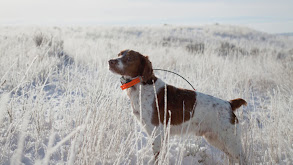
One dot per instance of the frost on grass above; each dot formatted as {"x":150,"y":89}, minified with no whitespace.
{"x":59,"y":104}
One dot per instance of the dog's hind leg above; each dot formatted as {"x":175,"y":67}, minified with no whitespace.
{"x":213,"y":139}
{"x":234,"y":147}
{"x":230,"y":146}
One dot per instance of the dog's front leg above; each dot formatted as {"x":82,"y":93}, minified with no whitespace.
{"x":157,"y":146}
{"x":156,"y":134}
{"x":157,"y":143}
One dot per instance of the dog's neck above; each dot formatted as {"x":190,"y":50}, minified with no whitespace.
{"x":127,"y":79}
{"x":151,"y":80}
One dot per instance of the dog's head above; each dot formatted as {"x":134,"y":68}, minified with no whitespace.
{"x":133,"y":64}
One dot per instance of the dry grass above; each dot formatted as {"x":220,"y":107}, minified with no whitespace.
{"x":54,"y":112}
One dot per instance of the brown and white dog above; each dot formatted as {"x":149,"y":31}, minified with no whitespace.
{"x":187,"y":110}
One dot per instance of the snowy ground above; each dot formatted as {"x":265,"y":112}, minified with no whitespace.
{"x":59,"y":104}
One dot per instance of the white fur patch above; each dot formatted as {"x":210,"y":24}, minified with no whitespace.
{"x":120,"y":64}
{"x":144,"y":113}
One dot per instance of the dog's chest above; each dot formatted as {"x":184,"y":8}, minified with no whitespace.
{"x":142,"y":99}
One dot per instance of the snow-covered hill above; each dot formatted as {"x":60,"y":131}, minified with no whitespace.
{"x":59,"y":104}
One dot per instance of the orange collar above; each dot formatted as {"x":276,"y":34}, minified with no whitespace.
{"x":130,"y":84}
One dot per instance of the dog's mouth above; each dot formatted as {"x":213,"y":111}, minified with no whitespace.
{"x":115,"y":70}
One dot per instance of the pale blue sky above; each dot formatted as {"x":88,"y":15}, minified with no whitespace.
{"x":265,"y":15}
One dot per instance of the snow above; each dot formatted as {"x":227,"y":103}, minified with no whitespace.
{"x":59,"y":103}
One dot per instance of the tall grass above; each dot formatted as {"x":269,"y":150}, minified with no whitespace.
{"x":55,"y":112}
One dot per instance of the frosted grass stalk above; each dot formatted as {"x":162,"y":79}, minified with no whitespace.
{"x":3,"y":106}
{"x":17,"y":155}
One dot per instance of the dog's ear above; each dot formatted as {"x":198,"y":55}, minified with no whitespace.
{"x":147,"y":71}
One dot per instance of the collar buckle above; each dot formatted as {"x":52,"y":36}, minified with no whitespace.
{"x":123,"y":80}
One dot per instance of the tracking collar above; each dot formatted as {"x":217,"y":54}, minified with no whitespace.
{"x":127,"y":83}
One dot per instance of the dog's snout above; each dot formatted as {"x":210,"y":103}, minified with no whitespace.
{"x":113,"y":62}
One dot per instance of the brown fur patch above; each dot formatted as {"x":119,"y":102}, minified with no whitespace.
{"x":175,"y":99}
{"x":236,"y":103}
{"x":147,"y":72}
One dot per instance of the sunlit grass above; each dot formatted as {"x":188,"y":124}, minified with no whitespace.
{"x":58,"y":112}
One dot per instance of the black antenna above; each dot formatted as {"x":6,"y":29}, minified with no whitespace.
{"x":177,"y":75}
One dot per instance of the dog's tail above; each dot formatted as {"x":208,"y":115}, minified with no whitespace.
{"x":236,"y":103}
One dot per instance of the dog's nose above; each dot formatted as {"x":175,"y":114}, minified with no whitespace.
{"x":112,"y":62}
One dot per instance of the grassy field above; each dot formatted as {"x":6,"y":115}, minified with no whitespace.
{"x":59,"y":103}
